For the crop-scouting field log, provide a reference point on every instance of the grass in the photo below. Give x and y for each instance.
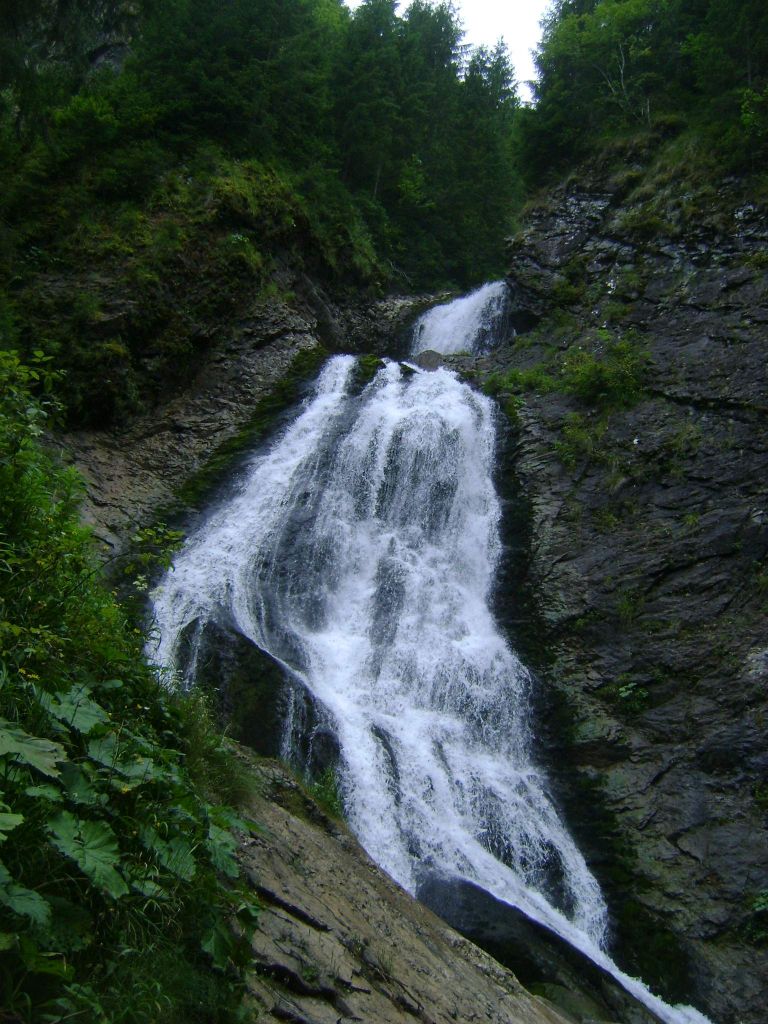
(612, 378)
(581, 440)
(325, 792)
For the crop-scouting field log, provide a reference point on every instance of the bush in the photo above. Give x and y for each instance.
(535, 379)
(118, 877)
(612, 379)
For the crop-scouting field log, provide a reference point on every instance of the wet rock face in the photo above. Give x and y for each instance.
(136, 473)
(540, 959)
(384, 327)
(338, 941)
(248, 687)
(648, 568)
(133, 473)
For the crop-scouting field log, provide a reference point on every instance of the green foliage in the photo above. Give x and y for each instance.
(614, 378)
(580, 440)
(756, 928)
(325, 792)
(537, 379)
(114, 853)
(628, 607)
(620, 66)
(366, 368)
(138, 210)
(93, 847)
(628, 695)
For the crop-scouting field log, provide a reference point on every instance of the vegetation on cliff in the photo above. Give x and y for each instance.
(140, 208)
(118, 881)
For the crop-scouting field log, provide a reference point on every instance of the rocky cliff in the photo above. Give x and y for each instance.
(163, 462)
(638, 394)
(338, 941)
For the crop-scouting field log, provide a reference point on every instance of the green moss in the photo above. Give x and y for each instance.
(607, 520)
(760, 794)
(651, 951)
(629, 605)
(641, 225)
(193, 493)
(536, 378)
(565, 293)
(367, 368)
(758, 260)
(581, 440)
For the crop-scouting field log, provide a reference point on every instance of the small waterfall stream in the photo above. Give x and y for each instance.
(473, 323)
(359, 550)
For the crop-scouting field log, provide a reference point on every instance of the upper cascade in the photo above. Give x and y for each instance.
(474, 323)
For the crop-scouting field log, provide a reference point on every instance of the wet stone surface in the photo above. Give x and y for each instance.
(648, 570)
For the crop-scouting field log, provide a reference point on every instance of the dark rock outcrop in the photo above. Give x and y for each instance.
(133, 473)
(648, 565)
(540, 959)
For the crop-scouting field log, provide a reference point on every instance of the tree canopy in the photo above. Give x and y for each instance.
(607, 66)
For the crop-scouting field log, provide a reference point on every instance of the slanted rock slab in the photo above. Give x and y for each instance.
(338, 941)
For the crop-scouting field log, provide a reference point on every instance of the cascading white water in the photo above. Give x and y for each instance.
(360, 552)
(468, 324)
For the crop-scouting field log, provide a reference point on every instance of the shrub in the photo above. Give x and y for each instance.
(613, 379)
(118, 877)
(580, 439)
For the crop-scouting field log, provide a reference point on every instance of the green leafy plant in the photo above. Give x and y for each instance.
(325, 791)
(613, 378)
(110, 849)
(629, 695)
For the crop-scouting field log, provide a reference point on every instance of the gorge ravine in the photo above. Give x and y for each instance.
(359, 552)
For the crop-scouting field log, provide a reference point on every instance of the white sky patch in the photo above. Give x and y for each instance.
(486, 21)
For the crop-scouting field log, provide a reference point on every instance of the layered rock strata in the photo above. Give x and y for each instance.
(647, 576)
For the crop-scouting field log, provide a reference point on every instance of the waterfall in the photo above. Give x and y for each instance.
(474, 323)
(359, 550)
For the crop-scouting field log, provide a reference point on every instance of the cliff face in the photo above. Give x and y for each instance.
(638, 388)
(164, 462)
(339, 941)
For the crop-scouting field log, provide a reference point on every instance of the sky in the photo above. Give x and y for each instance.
(487, 20)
